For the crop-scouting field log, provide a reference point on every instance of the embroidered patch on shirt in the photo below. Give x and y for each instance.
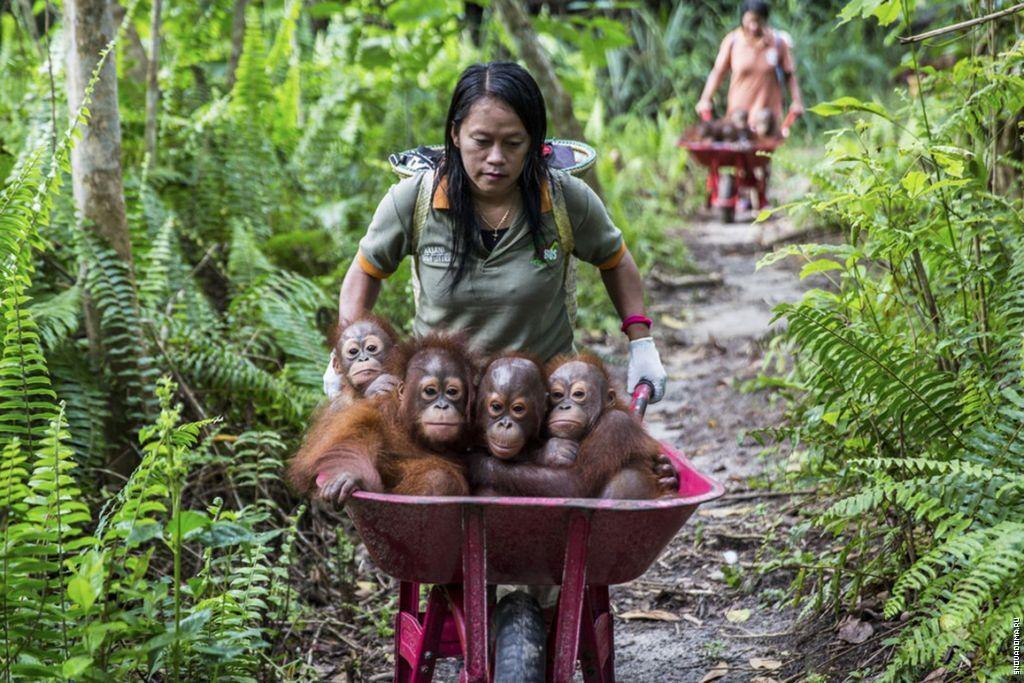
(436, 255)
(549, 255)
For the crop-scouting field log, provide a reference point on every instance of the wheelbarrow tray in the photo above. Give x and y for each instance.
(421, 538)
(730, 153)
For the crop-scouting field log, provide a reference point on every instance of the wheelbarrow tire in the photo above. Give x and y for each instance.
(520, 640)
(726, 198)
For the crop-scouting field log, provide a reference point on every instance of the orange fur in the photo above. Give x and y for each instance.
(377, 441)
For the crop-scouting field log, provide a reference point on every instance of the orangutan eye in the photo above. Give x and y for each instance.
(557, 396)
(430, 392)
(352, 352)
(496, 407)
(519, 409)
(453, 392)
(579, 394)
(371, 348)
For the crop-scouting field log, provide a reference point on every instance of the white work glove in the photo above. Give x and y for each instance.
(645, 364)
(332, 380)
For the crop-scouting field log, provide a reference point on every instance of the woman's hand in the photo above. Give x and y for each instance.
(704, 108)
(645, 364)
(332, 380)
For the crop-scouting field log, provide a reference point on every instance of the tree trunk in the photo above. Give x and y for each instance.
(557, 99)
(96, 158)
(237, 38)
(152, 85)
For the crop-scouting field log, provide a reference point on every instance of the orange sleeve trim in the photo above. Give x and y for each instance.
(441, 194)
(614, 260)
(369, 268)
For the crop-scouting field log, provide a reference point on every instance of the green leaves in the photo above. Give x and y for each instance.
(885, 11)
(844, 105)
(87, 584)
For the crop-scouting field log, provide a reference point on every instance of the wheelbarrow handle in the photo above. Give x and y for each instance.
(705, 115)
(641, 397)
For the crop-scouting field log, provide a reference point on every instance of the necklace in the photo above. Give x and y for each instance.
(495, 228)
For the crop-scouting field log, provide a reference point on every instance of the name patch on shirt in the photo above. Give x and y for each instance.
(437, 255)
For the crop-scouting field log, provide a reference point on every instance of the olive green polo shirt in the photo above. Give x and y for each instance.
(509, 299)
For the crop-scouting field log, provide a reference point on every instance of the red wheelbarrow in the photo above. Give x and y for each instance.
(463, 544)
(749, 164)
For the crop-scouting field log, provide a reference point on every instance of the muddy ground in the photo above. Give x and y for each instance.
(703, 612)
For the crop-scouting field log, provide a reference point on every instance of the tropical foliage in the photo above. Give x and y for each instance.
(907, 384)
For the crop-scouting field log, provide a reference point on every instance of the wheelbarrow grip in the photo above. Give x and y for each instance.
(641, 397)
(705, 115)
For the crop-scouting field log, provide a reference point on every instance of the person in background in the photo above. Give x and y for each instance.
(760, 62)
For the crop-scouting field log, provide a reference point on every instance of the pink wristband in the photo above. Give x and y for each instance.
(634, 319)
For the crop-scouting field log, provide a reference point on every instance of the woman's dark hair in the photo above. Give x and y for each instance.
(758, 7)
(513, 85)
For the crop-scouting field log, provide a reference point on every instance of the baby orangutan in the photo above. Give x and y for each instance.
(360, 351)
(411, 441)
(510, 412)
(595, 449)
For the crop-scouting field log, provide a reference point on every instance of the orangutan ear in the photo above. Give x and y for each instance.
(611, 397)
(401, 390)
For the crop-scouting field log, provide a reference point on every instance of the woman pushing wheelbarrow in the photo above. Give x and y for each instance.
(493, 222)
(760, 62)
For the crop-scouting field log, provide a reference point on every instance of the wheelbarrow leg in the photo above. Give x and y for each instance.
(712, 184)
(474, 597)
(596, 637)
(570, 602)
(407, 630)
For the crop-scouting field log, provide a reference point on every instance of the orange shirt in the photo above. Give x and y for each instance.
(754, 84)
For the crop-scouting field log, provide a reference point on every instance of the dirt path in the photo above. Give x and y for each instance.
(672, 623)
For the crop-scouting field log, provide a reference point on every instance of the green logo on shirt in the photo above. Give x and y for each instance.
(549, 255)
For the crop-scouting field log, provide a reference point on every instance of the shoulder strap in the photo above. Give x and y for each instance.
(424, 195)
(419, 214)
(568, 241)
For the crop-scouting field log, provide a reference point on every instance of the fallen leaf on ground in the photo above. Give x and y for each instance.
(693, 620)
(725, 512)
(365, 588)
(731, 557)
(649, 615)
(672, 323)
(769, 664)
(716, 672)
(737, 616)
(764, 679)
(936, 676)
(853, 630)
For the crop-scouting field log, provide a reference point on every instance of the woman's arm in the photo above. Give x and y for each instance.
(358, 294)
(718, 72)
(796, 104)
(626, 290)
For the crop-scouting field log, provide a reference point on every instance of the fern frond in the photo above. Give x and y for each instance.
(58, 317)
(27, 403)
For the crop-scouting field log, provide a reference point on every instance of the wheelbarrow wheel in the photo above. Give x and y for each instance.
(726, 198)
(520, 640)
